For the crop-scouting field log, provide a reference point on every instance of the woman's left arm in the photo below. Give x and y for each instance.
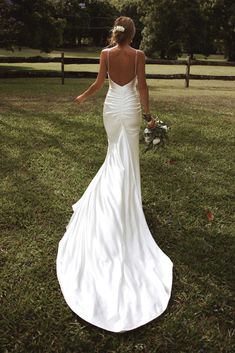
(99, 82)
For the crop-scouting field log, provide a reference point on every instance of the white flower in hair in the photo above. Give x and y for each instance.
(119, 28)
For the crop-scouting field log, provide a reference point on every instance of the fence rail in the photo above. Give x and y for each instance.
(40, 59)
(87, 74)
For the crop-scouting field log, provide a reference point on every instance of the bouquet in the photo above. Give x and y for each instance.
(155, 134)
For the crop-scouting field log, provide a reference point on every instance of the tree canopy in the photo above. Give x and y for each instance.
(166, 28)
(196, 26)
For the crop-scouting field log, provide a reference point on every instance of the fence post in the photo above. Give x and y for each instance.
(62, 68)
(187, 72)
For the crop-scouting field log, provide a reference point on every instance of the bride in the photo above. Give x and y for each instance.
(110, 270)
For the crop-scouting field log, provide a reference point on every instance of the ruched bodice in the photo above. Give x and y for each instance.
(111, 271)
(122, 120)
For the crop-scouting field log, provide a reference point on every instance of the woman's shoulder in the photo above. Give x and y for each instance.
(141, 52)
(106, 48)
(141, 55)
(104, 52)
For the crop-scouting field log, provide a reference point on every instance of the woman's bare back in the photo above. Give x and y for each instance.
(121, 64)
(121, 70)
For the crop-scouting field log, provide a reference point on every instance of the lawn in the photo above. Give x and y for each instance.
(51, 150)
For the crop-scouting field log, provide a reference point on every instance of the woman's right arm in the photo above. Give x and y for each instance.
(94, 87)
(142, 84)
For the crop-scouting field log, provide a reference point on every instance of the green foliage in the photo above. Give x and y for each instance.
(91, 22)
(9, 26)
(77, 21)
(102, 15)
(193, 28)
(161, 29)
(40, 25)
(168, 27)
(173, 27)
(224, 21)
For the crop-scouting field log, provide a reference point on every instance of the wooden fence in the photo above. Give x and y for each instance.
(87, 74)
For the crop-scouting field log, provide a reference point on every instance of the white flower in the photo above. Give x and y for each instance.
(147, 139)
(165, 127)
(119, 28)
(156, 141)
(146, 131)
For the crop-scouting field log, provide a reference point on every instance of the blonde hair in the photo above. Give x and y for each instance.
(122, 36)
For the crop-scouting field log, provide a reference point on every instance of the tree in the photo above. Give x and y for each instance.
(161, 27)
(102, 15)
(193, 30)
(223, 12)
(40, 26)
(87, 19)
(77, 21)
(175, 26)
(9, 26)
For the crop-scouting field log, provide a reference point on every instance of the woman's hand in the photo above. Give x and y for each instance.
(79, 99)
(152, 123)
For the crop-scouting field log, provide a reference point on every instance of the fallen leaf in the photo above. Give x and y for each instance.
(210, 215)
(170, 161)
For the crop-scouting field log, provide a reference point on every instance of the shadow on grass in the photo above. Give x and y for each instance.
(195, 85)
(78, 133)
(198, 180)
(15, 68)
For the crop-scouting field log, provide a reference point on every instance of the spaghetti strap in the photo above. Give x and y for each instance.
(135, 61)
(108, 59)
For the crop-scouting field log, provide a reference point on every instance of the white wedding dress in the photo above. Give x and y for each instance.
(110, 269)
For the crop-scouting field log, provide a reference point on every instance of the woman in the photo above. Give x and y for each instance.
(111, 271)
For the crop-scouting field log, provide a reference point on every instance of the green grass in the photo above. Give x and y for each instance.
(51, 150)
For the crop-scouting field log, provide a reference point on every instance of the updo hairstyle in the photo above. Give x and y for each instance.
(118, 34)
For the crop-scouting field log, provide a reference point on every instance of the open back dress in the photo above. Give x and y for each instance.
(111, 271)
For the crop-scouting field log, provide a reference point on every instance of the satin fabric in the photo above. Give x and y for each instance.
(110, 269)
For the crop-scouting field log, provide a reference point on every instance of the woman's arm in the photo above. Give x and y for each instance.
(99, 82)
(142, 84)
